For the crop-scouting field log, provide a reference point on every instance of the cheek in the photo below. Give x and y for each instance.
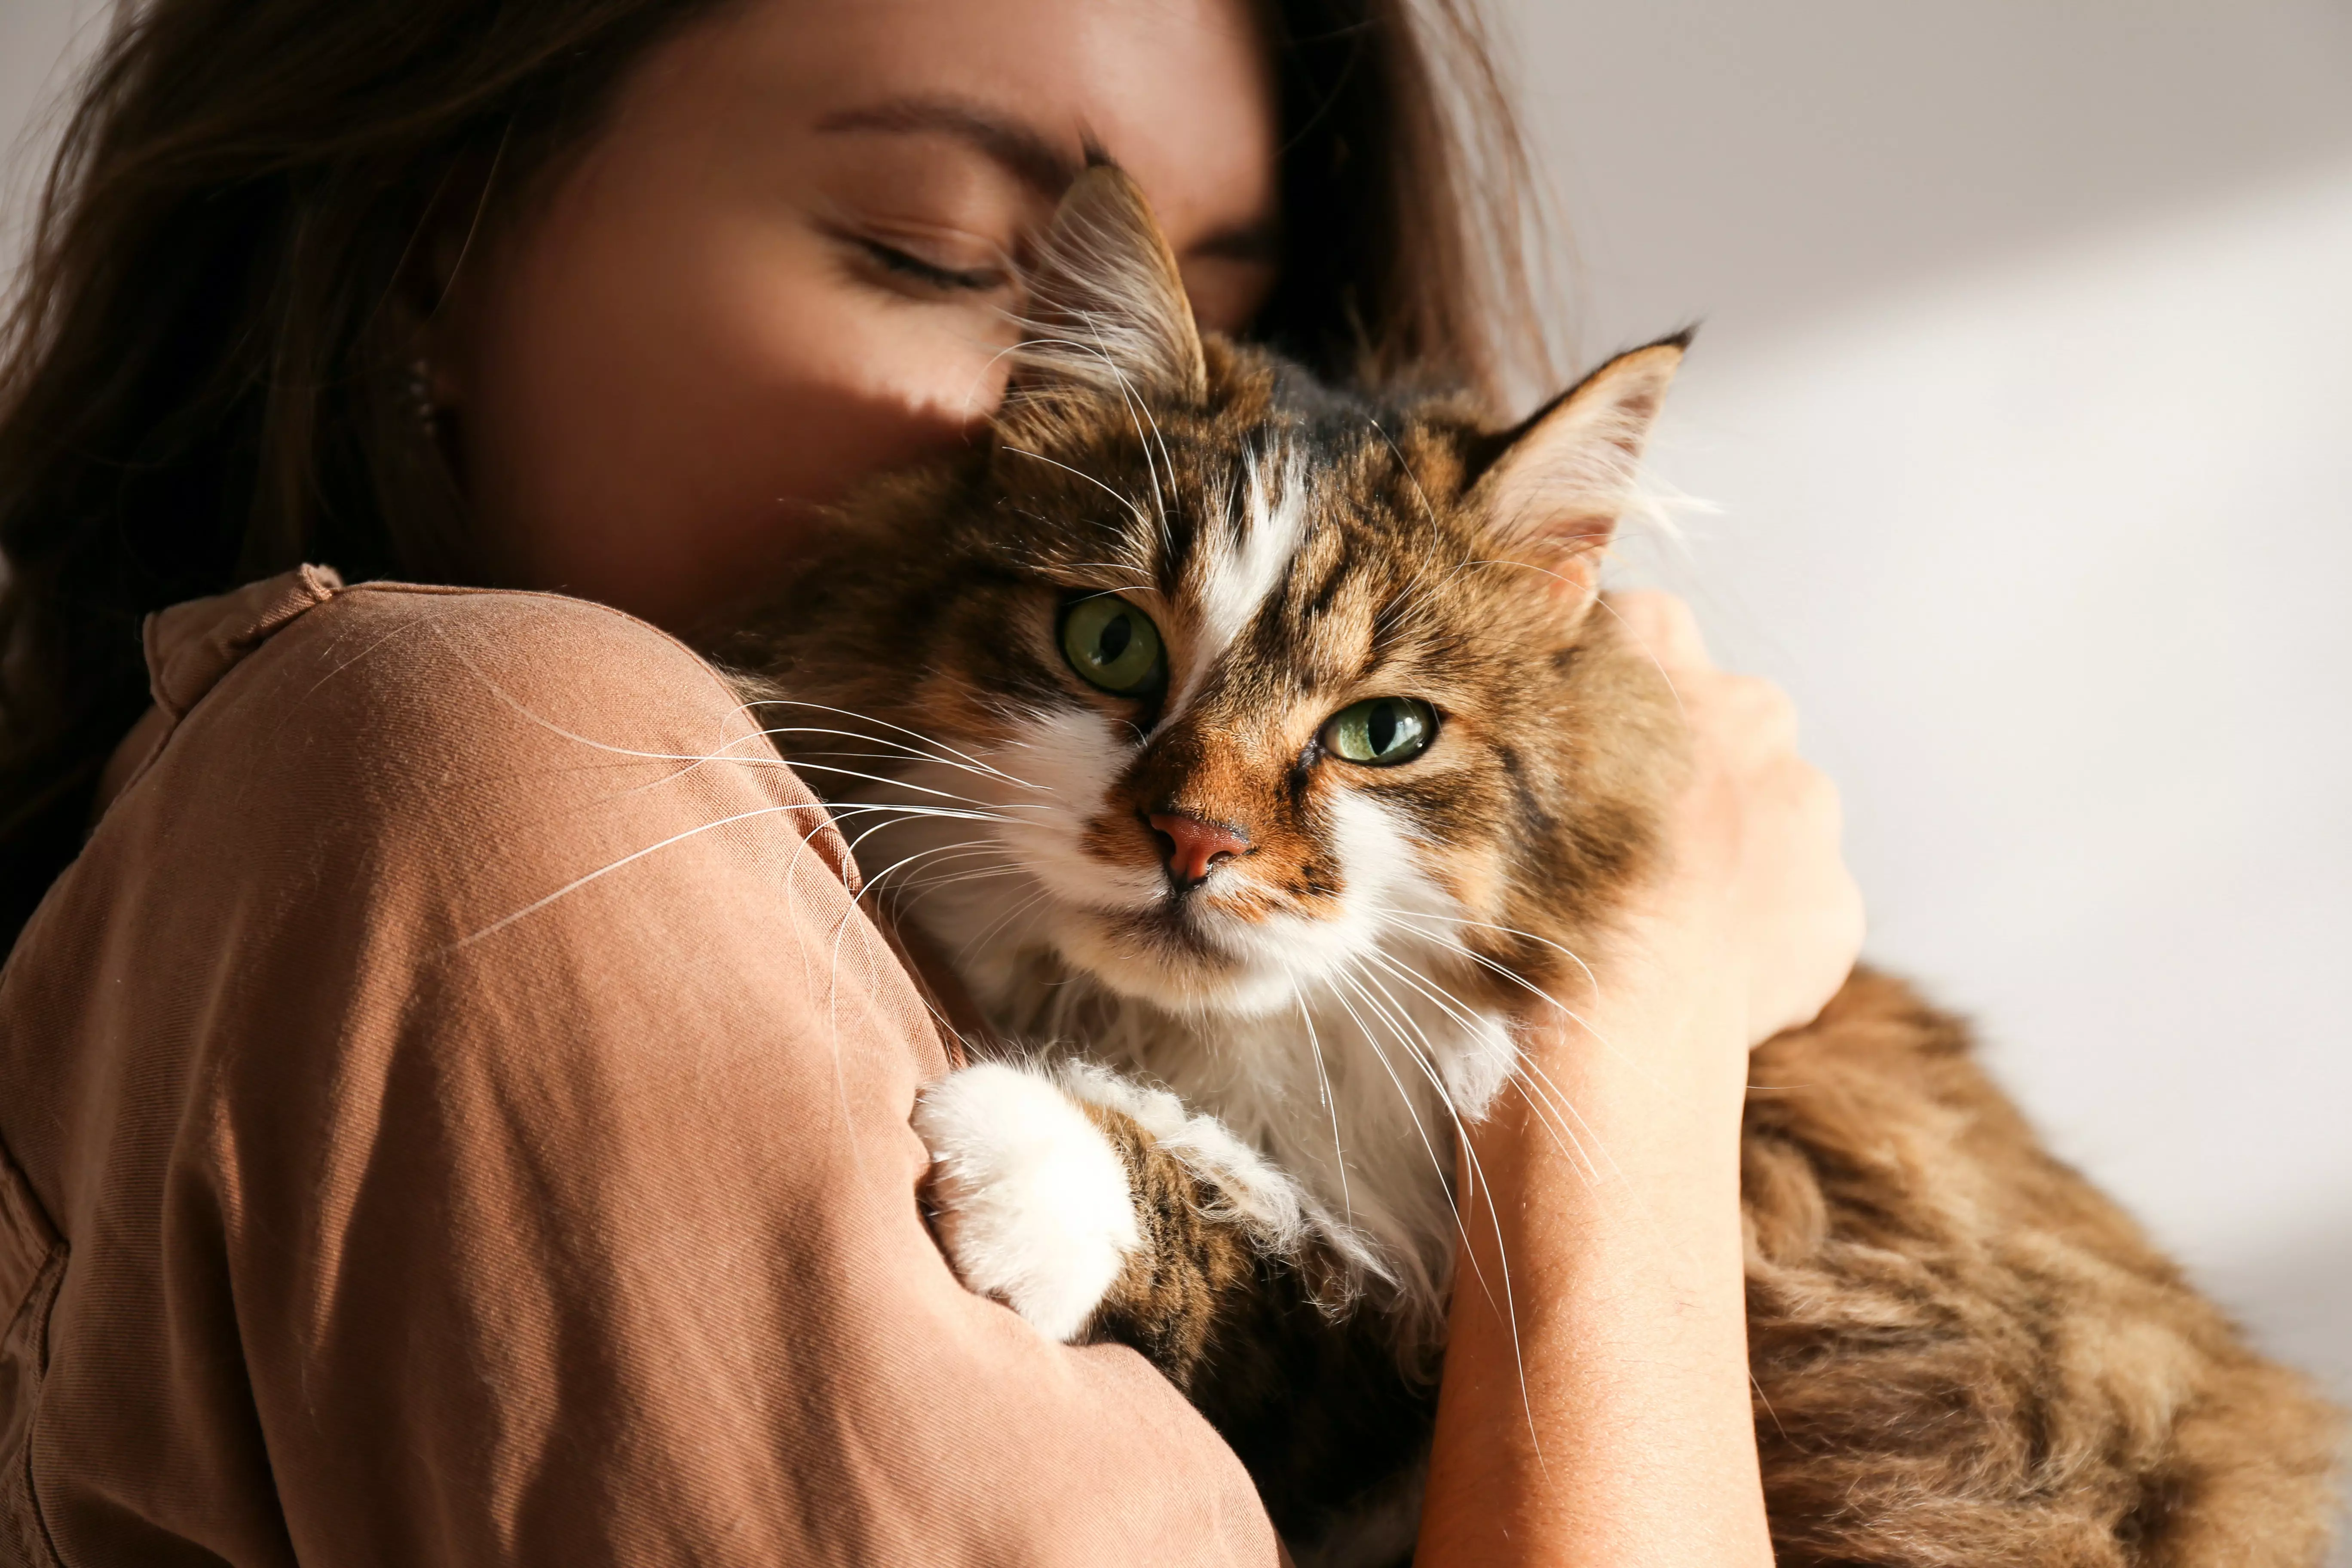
(655, 410)
(1069, 762)
(1393, 880)
(1371, 844)
(1463, 819)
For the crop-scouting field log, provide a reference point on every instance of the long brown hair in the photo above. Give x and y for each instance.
(206, 377)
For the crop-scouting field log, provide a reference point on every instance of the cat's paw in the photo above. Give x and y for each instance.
(1031, 1202)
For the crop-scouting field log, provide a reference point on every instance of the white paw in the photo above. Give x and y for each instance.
(1247, 1186)
(1032, 1201)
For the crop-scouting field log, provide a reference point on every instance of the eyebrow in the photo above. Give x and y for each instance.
(1024, 151)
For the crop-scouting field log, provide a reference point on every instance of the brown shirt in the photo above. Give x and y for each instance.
(456, 1112)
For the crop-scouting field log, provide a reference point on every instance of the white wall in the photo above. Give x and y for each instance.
(2025, 396)
(36, 55)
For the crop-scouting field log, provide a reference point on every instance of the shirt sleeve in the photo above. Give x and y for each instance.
(543, 1192)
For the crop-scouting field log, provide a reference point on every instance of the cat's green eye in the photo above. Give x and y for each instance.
(1382, 733)
(1113, 644)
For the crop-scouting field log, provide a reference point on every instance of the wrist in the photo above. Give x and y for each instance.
(1662, 1034)
(1627, 1117)
(1599, 1332)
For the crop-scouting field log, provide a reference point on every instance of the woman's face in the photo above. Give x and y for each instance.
(783, 264)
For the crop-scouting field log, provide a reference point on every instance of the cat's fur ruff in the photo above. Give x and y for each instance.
(1963, 1353)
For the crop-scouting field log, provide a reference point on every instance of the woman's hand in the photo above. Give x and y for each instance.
(1754, 901)
(1595, 1406)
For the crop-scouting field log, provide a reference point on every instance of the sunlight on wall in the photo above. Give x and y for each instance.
(2055, 558)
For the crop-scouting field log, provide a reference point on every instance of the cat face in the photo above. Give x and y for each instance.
(1262, 758)
(1225, 688)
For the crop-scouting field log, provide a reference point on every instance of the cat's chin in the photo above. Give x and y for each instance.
(1175, 970)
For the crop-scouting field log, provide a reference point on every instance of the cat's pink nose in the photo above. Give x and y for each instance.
(1193, 845)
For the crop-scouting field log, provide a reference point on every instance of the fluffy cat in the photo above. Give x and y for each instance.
(1258, 754)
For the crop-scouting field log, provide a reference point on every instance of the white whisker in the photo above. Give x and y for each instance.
(1590, 979)
(578, 882)
(1339, 978)
(1478, 1184)
(896, 748)
(969, 800)
(1331, 1103)
(1131, 506)
(887, 724)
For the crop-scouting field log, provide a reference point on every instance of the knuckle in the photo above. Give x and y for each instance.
(1767, 702)
(1663, 625)
(1676, 612)
(1637, 608)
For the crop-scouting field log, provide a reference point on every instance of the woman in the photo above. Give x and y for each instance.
(448, 1120)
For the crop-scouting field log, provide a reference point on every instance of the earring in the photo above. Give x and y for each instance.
(420, 396)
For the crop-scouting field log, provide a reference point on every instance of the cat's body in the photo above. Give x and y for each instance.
(1259, 758)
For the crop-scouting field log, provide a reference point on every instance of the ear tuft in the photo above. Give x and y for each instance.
(1554, 485)
(1107, 309)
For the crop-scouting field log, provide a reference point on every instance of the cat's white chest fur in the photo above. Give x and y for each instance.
(1355, 1095)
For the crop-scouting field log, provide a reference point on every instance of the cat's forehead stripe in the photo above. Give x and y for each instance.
(1237, 569)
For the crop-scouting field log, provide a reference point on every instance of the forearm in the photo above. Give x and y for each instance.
(1605, 1418)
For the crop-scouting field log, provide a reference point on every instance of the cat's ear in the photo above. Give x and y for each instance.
(1552, 487)
(1106, 309)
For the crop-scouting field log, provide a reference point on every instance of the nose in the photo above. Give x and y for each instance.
(1193, 847)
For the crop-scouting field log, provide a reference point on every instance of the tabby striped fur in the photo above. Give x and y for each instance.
(1963, 1353)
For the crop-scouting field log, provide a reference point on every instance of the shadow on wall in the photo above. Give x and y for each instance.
(1762, 164)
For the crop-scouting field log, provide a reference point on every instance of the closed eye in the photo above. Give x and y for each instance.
(914, 268)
